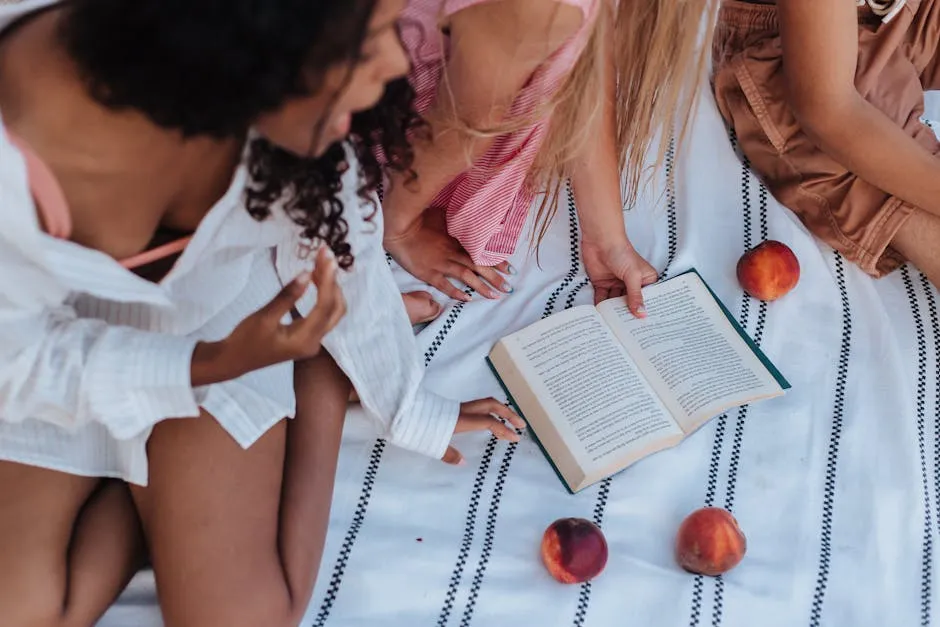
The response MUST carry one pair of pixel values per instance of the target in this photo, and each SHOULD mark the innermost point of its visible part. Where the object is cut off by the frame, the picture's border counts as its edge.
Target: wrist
(395, 233)
(211, 363)
(602, 219)
(607, 241)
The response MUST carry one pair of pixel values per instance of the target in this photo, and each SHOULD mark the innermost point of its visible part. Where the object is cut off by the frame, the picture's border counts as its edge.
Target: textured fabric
(897, 61)
(92, 356)
(835, 484)
(486, 206)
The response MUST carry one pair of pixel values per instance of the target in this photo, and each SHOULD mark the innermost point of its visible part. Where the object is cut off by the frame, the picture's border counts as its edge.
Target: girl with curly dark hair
(167, 168)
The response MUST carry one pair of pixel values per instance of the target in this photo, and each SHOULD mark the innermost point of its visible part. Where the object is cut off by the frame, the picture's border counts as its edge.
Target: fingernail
(508, 288)
(512, 270)
(303, 278)
(641, 309)
(462, 462)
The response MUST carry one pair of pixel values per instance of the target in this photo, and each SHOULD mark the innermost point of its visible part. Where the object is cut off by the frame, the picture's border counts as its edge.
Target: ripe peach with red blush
(574, 550)
(768, 271)
(710, 542)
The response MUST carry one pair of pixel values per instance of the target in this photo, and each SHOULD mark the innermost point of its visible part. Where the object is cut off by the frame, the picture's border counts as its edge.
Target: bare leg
(236, 536)
(68, 546)
(919, 241)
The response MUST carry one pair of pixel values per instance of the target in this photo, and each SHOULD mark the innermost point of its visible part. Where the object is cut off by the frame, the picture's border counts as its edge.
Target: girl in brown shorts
(826, 99)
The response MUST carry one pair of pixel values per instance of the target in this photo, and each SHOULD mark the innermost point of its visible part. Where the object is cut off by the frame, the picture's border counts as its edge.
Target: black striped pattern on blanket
(486, 463)
(721, 431)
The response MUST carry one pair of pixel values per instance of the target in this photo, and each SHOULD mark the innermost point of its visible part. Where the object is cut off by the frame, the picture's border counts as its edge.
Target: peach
(574, 550)
(710, 542)
(768, 271)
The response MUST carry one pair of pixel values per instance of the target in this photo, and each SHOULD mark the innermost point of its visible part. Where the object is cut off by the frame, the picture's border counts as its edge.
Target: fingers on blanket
(453, 457)
(485, 415)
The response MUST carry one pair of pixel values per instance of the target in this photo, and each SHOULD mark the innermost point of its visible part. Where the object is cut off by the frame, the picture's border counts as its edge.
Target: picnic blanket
(836, 484)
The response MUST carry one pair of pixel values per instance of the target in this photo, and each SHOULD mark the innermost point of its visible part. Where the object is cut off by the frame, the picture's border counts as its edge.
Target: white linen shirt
(92, 356)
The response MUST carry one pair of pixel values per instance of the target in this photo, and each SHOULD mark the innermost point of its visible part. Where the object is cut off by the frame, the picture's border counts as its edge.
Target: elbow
(826, 119)
(816, 120)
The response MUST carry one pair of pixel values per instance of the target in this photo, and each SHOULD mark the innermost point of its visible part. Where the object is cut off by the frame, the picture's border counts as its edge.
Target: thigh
(210, 515)
(38, 510)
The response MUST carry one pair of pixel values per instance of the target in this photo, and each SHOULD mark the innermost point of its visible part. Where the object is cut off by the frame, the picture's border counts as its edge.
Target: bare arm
(610, 259)
(595, 177)
(820, 40)
(495, 49)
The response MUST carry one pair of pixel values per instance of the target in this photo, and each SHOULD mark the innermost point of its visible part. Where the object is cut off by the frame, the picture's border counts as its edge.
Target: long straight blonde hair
(658, 56)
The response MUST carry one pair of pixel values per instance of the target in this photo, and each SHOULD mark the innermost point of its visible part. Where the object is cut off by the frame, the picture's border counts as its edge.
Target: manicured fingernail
(508, 288)
(303, 278)
(641, 309)
(462, 462)
(512, 269)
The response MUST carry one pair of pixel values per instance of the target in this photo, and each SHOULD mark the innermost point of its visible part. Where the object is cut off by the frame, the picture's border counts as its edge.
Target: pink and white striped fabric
(486, 206)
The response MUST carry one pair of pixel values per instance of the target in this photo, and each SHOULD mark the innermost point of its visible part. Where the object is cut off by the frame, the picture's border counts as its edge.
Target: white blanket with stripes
(836, 485)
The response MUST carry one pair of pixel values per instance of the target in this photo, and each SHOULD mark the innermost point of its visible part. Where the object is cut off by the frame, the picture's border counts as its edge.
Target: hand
(262, 340)
(616, 268)
(484, 415)
(427, 252)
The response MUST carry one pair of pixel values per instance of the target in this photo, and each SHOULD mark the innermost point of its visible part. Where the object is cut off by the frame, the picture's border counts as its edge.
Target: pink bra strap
(48, 194)
(155, 254)
(54, 209)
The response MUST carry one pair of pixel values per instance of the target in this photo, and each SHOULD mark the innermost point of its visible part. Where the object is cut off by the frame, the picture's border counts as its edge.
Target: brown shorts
(897, 62)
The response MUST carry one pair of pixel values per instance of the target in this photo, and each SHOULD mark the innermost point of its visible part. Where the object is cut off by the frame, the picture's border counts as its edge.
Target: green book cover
(531, 431)
(765, 361)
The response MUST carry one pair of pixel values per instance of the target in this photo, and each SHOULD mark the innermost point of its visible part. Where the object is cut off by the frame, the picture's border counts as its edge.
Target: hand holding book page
(602, 389)
(690, 352)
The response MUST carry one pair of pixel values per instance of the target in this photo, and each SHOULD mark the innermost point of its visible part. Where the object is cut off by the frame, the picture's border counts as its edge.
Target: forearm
(595, 177)
(883, 154)
(595, 181)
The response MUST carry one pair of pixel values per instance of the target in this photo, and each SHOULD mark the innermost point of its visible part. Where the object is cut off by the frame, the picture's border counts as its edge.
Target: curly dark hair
(212, 67)
(310, 187)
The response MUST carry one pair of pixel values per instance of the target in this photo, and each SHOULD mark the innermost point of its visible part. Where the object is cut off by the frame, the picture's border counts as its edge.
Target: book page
(588, 385)
(690, 352)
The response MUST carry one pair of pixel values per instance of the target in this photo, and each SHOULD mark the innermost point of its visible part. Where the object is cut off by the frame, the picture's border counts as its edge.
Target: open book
(602, 389)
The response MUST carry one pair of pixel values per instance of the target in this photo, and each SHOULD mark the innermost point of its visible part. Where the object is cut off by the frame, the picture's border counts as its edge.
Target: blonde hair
(658, 57)
(661, 55)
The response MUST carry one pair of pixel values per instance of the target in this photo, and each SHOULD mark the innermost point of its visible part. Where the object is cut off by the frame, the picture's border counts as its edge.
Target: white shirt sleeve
(376, 348)
(65, 370)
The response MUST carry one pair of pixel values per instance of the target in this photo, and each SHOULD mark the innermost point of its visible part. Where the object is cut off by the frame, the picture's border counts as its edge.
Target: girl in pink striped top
(513, 91)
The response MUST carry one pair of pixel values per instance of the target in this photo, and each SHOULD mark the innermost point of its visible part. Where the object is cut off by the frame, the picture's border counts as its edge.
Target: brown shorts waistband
(748, 15)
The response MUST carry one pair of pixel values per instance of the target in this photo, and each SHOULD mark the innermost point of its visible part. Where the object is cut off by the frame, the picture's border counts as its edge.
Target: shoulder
(520, 21)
